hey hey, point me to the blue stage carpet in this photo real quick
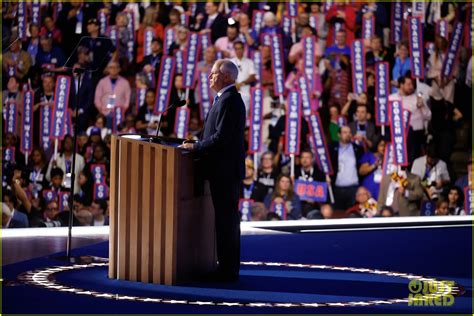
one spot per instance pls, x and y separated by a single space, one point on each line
440 253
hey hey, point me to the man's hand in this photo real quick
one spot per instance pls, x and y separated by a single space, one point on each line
187 146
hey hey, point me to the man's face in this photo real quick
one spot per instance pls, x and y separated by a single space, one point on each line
92 28
244 19
48 84
156 47
46 44
216 78
232 33
326 211
239 51
386 213
267 161
345 135
376 44
210 54
306 160
12 85
210 8
431 161
361 114
15 46
407 87
51 210
362 195
82 140
341 38
303 18
56 181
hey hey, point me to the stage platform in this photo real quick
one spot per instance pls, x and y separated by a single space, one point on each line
320 266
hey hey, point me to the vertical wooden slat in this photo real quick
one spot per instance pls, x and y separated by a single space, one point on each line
157 237
151 224
144 188
133 223
113 207
164 210
122 211
171 219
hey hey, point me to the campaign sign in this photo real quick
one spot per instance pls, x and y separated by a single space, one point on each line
63 201
293 126
117 118
192 53
322 152
244 209
305 94
12 114
468 202
61 98
381 93
398 130
279 209
257 21
396 30
204 94
49 195
257 61
170 35
26 145
278 65
45 123
450 60
22 20
9 154
181 122
256 120
103 19
98 173
358 66
148 36
311 190
368 27
140 98
165 84
428 208
388 165
101 191
416 48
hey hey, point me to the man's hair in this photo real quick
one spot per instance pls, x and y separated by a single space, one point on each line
403 79
57 172
239 43
226 66
102 204
307 151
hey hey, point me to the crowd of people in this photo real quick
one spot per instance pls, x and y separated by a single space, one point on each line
114 55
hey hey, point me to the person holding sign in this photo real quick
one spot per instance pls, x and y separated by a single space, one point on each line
284 194
223 154
419 118
251 189
308 171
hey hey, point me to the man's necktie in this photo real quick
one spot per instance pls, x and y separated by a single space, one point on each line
216 98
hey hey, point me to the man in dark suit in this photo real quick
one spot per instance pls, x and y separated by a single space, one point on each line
364 131
86 95
345 159
223 156
212 22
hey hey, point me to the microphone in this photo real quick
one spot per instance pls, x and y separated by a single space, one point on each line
178 104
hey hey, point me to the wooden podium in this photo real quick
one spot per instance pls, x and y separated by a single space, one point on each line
161 216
